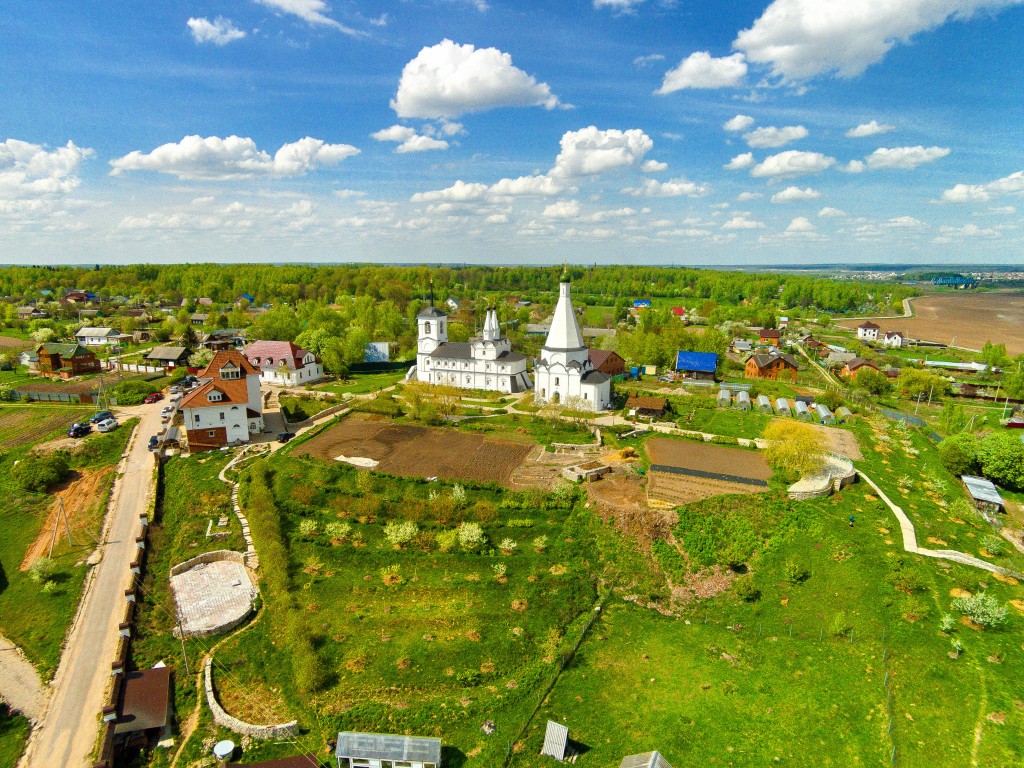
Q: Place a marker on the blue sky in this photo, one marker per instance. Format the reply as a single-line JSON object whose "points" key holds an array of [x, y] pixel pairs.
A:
{"points": [[596, 131]]}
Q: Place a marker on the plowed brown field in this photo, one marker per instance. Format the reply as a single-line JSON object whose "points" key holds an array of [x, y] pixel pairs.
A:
{"points": [[420, 451], [703, 457]]}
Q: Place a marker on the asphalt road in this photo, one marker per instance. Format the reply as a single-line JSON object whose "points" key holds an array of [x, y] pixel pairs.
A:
{"points": [[67, 732]]}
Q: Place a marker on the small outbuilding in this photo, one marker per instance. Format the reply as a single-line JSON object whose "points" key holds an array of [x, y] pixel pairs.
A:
{"points": [[724, 398], [378, 750], [764, 405], [168, 357], [556, 741], [296, 761], [743, 400], [984, 494], [801, 410], [144, 706], [843, 414], [824, 414], [782, 407], [647, 760], [646, 407], [697, 365]]}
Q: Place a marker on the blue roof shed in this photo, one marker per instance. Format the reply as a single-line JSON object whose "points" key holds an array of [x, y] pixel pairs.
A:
{"points": [[638, 303], [702, 362]]}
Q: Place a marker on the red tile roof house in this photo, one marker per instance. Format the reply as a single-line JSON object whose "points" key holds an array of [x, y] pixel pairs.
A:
{"points": [[228, 409], [283, 364], [769, 335], [855, 366]]}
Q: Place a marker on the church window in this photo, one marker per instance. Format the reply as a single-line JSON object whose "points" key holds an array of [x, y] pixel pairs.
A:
{"points": [[556, 381], [426, 327], [440, 326]]}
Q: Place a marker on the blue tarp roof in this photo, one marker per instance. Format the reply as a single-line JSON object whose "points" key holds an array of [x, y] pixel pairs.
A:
{"points": [[642, 303], [697, 361]]}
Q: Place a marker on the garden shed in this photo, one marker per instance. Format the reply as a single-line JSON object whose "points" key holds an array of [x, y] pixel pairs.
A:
{"points": [[984, 494], [801, 410], [782, 407], [743, 401], [764, 405], [724, 398], [378, 750], [823, 414]]}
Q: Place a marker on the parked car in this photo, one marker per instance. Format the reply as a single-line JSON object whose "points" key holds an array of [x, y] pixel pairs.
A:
{"points": [[167, 410], [284, 437], [79, 430], [190, 381], [96, 418], [156, 397], [174, 389], [107, 425], [154, 443]]}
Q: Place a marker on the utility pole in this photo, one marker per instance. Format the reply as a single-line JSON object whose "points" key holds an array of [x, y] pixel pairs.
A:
{"points": [[61, 514], [181, 636], [930, 393]]}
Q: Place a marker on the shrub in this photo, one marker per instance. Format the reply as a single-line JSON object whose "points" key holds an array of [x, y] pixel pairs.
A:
{"points": [[471, 537], [796, 571], [520, 522], [469, 678], [907, 577], [133, 392], [958, 647], [390, 575], [459, 495], [338, 530], [500, 570], [959, 454], [39, 472], [840, 625], [400, 534], [746, 590], [309, 528], [508, 546], [540, 543], [994, 544], [43, 570], [947, 623], [982, 609], [447, 540], [1002, 459]]}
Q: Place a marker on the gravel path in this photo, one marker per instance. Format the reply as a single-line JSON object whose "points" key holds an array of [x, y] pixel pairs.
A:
{"points": [[20, 685]]}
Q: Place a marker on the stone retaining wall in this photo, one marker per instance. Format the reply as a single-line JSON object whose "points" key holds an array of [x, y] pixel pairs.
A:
{"points": [[208, 557], [837, 473], [223, 719]]}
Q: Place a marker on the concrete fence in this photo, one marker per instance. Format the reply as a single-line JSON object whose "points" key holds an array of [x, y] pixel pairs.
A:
{"points": [[223, 719], [117, 365]]}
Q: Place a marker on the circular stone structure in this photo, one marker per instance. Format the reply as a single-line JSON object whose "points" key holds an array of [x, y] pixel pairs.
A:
{"points": [[213, 593]]}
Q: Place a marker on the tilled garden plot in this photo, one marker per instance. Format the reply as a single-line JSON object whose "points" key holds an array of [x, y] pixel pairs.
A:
{"points": [[683, 472], [413, 451]]}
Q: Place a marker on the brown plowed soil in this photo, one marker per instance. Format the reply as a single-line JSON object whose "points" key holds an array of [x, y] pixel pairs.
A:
{"points": [[705, 457], [421, 451], [81, 495], [7, 342]]}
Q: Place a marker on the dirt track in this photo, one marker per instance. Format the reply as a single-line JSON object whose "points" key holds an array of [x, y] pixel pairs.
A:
{"points": [[420, 451]]}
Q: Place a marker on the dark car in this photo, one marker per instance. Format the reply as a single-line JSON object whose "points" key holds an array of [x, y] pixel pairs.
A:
{"points": [[154, 443], [156, 397], [284, 437], [96, 418], [190, 381], [79, 430]]}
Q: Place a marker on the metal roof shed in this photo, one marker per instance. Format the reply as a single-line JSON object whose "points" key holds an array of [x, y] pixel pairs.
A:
{"points": [[782, 407], [724, 398], [764, 405], [824, 414], [373, 748], [983, 491], [556, 741], [743, 401], [801, 410], [646, 760]]}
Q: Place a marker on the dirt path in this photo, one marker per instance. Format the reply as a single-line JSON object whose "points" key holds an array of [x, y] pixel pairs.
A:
{"points": [[69, 726], [78, 496], [20, 685]]}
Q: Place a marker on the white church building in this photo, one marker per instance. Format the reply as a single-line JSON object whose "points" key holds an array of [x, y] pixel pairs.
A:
{"points": [[487, 362], [564, 369]]}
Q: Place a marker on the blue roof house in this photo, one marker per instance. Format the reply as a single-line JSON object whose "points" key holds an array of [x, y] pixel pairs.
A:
{"points": [[697, 365]]}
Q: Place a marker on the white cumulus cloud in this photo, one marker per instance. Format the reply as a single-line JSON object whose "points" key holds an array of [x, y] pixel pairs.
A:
{"points": [[591, 150], [771, 137], [702, 70], [740, 162], [744, 197], [738, 123], [831, 213], [671, 188], [653, 166], [313, 12], [563, 209], [800, 225], [904, 158], [408, 140], [800, 39], [220, 31], [794, 194], [970, 193], [234, 157], [28, 169], [742, 221], [792, 163], [447, 80], [854, 166], [869, 129]]}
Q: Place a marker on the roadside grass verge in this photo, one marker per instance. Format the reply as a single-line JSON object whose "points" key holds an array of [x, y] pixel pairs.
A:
{"points": [[13, 736], [362, 383]]}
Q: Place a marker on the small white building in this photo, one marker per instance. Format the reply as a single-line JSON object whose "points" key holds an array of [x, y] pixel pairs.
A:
{"points": [[868, 331], [564, 371], [378, 750], [228, 408], [893, 339], [90, 336], [283, 364], [486, 362]]}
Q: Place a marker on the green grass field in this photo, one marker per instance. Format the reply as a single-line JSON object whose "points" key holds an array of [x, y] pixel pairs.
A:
{"points": [[13, 736], [36, 620], [362, 383]]}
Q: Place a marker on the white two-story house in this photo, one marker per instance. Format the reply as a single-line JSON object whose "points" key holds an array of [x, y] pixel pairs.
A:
{"points": [[227, 409]]}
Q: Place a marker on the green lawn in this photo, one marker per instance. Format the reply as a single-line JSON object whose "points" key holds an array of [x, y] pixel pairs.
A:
{"points": [[34, 619], [13, 736], [362, 383]]}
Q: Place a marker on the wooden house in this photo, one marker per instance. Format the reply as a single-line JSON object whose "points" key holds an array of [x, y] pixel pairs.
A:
{"points": [[853, 367], [772, 366], [646, 407], [607, 361], [66, 360]]}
